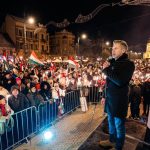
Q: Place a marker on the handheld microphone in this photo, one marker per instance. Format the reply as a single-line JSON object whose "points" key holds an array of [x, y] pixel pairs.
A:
{"points": [[109, 59]]}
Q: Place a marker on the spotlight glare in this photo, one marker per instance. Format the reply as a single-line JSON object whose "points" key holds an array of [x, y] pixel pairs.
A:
{"points": [[48, 135]]}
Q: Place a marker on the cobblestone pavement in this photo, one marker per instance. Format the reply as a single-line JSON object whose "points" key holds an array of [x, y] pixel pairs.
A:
{"points": [[70, 132]]}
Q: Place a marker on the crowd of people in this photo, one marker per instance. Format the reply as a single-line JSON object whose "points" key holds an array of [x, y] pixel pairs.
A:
{"points": [[23, 85], [36, 84]]}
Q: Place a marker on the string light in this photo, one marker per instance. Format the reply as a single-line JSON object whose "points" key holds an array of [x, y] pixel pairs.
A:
{"points": [[90, 16], [136, 2]]}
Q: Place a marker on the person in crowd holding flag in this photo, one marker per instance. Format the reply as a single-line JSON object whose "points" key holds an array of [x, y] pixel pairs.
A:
{"points": [[73, 63], [119, 71]]}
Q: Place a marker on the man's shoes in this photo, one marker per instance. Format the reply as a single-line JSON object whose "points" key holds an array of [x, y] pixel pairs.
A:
{"points": [[106, 144]]}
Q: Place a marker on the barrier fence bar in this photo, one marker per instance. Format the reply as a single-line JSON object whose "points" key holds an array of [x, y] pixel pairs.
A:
{"points": [[31, 120]]}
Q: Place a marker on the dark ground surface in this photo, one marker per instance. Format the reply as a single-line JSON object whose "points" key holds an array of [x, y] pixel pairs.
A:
{"points": [[133, 129]]}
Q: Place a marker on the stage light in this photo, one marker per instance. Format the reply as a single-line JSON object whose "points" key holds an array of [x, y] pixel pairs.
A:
{"points": [[47, 135]]}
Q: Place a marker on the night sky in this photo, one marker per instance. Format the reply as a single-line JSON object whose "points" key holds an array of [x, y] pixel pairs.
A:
{"points": [[131, 23]]}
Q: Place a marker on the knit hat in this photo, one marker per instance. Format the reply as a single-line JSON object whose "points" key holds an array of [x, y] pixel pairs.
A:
{"points": [[38, 86], [6, 72], [14, 87], [32, 85], [1, 97], [17, 79]]}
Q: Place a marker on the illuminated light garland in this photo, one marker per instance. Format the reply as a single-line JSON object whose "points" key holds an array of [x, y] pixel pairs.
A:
{"points": [[82, 19], [86, 18], [63, 24], [136, 2]]}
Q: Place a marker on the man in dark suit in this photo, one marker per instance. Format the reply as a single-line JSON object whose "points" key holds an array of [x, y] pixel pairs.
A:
{"points": [[119, 71]]}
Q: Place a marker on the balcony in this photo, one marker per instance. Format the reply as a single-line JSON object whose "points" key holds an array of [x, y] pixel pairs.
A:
{"points": [[43, 40]]}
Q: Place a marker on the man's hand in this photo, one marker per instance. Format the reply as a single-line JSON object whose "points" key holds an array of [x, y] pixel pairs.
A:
{"points": [[106, 64], [103, 101]]}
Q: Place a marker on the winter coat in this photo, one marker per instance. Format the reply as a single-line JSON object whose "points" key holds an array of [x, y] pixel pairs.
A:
{"points": [[118, 75], [146, 92], [19, 103], [8, 83], [135, 93], [148, 123], [45, 93], [35, 99]]}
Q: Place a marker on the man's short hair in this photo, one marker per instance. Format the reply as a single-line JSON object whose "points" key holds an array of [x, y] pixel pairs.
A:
{"points": [[123, 44]]}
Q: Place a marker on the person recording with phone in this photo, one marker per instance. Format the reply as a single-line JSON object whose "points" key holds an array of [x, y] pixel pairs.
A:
{"points": [[119, 70]]}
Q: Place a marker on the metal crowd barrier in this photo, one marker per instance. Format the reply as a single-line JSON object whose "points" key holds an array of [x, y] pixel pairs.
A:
{"points": [[92, 94], [31, 120], [23, 124], [54, 109]]}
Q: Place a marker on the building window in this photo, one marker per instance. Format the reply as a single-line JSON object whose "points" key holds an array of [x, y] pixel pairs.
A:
{"points": [[57, 42], [27, 34], [64, 41], [42, 36], [64, 37], [20, 32], [17, 44], [42, 47], [31, 46], [36, 36], [21, 45], [31, 35], [47, 37], [36, 47], [17, 32]]}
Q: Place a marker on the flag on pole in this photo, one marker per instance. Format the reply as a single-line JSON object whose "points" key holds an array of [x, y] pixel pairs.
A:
{"points": [[4, 57], [5, 61], [21, 67], [33, 59], [73, 62], [52, 67]]}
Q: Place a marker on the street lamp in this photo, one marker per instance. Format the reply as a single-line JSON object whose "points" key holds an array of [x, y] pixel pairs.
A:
{"points": [[107, 43], [31, 21], [82, 36]]}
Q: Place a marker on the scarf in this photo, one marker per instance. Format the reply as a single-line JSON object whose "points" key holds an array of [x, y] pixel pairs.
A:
{"points": [[3, 110]]}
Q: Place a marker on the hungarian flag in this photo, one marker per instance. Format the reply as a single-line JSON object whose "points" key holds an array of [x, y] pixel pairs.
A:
{"points": [[33, 59], [52, 67], [5, 61], [4, 57], [21, 67], [73, 62]]}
